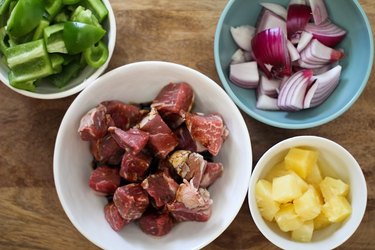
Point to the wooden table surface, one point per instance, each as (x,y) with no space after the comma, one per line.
(31,216)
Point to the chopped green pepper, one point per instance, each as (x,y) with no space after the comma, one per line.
(25,17)
(53,37)
(70,2)
(68,72)
(96,55)
(83,15)
(28,61)
(57,61)
(98,8)
(80,36)
(53,7)
(4,5)
(5,41)
(38,33)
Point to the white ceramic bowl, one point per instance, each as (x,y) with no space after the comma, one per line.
(88,74)
(335,161)
(140,82)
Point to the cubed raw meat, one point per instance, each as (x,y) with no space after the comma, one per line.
(131,201)
(161,187)
(156,224)
(213,171)
(106,150)
(185,141)
(105,180)
(134,167)
(132,140)
(93,124)
(114,218)
(171,100)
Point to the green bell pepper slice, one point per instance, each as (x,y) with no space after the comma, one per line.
(96,55)
(80,36)
(57,61)
(53,37)
(38,33)
(80,14)
(4,6)
(53,7)
(25,17)
(5,41)
(98,8)
(68,72)
(28,61)
(70,2)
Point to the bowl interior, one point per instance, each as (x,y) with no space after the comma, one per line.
(140,82)
(47,91)
(334,161)
(357,45)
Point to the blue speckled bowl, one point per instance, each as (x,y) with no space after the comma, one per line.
(359,50)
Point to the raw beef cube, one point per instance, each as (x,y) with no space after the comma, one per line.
(156,224)
(171,100)
(123,115)
(208,130)
(134,167)
(191,203)
(213,171)
(93,124)
(106,150)
(133,140)
(189,165)
(162,140)
(113,217)
(161,187)
(105,180)
(131,201)
(185,141)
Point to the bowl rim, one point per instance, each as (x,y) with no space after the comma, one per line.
(87,81)
(275,123)
(311,141)
(62,128)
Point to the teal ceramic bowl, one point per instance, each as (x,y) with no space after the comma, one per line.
(359,50)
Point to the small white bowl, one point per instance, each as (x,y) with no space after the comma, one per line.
(139,83)
(335,161)
(88,74)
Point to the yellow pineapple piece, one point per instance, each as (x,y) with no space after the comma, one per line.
(277,171)
(337,209)
(304,233)
(263,195)
(301,160)
(308,205)
(321,221)
(331,187)
(315,176)
(287,219)
(286,188)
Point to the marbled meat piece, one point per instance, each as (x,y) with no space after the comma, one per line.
(131,201)
(213,171)
(191,204)
(93,124)
(106,150)
(114,218)
(132,140)
(134,167)
(189,165)
(161,187)
(155,223)
(105,180)
(162,140)
(123,115)
(171,100)
(209,130)
(185,141)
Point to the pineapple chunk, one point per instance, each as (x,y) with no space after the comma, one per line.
(308,205)
(304,233)
(277,171)
(287,219)
(331,187)
(263,194)
(301,160)
(321,221)
(315,176)
(286,188)
(337,209)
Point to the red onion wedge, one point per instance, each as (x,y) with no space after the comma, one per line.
(327,33)
(266,102)
(276,9)
(242,36)
(304,40)
(269,86)
(241,56)
(292,94)
(293,52)
(322,51)
(269,20)
(270,47)
(297,2)
(323,86)
(298,16)
(319,11)
(244,75)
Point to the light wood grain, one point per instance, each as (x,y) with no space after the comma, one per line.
(178,31)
